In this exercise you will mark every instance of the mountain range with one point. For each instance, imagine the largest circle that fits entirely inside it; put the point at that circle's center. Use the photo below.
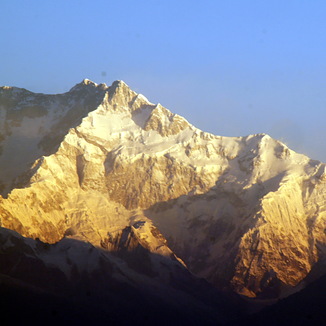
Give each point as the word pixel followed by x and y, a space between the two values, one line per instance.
pixel 116 198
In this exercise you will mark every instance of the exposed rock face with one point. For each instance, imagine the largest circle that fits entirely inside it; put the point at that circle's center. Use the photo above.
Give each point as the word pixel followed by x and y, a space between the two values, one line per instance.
pixel 245 212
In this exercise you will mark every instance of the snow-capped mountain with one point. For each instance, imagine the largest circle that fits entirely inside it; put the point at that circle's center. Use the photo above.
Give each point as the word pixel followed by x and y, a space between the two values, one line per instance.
pixel 104 165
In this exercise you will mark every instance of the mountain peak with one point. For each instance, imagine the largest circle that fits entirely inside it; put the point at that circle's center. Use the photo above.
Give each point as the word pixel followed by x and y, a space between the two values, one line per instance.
pixel 121 93
pixel 84 83
pixel 119 86
pixel 119 83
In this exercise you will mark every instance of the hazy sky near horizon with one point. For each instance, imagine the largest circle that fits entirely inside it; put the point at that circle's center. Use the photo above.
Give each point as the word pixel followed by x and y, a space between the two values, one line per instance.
pixel 232 68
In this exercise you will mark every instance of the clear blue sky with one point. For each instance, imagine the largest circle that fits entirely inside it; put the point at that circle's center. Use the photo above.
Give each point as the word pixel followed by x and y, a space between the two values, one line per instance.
pixel 230 67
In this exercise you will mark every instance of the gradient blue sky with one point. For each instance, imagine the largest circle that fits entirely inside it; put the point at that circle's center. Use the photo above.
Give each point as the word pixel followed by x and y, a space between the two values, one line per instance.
pixel 232 68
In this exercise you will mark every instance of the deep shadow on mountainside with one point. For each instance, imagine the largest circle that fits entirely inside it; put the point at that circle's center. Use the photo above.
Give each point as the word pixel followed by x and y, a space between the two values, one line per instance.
pixel 35 291
pixel 305 308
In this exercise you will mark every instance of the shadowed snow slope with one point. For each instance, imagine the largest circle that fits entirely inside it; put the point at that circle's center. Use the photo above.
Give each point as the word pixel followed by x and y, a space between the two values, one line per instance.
pixel 73 282
pixel 104 165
